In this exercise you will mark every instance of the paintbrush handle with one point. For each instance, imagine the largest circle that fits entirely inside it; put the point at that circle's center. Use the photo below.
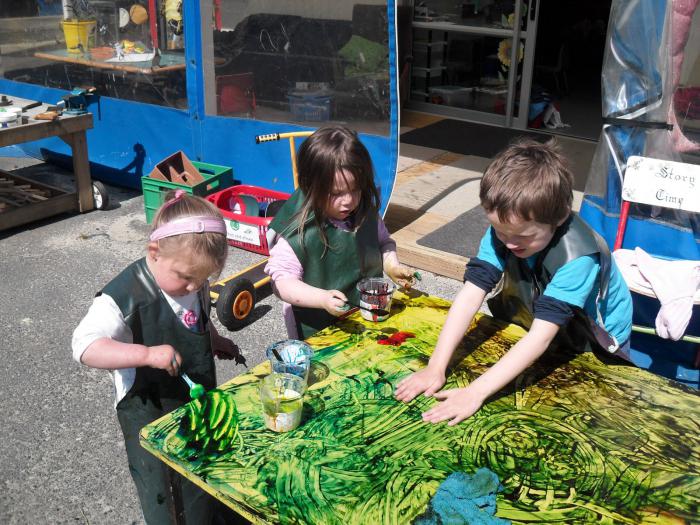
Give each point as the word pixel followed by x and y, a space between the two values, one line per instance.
pixel 189 382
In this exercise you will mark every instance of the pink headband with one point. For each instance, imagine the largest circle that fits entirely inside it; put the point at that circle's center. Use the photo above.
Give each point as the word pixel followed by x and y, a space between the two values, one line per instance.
pixel 193 224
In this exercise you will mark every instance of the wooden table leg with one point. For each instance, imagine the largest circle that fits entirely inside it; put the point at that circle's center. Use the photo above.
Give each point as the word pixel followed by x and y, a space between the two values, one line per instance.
pixel 81 170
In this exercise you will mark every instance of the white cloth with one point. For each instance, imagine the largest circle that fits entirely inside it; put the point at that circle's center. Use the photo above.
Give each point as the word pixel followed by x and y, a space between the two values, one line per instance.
pixel 105 319
pixel 676 284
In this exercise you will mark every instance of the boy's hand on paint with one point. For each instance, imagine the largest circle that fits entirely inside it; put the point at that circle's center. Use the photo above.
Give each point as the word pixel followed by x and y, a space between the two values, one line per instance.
pixel 400 274
pixel 334 302
pixel 426 381
pixel 456 405
pixel 164 357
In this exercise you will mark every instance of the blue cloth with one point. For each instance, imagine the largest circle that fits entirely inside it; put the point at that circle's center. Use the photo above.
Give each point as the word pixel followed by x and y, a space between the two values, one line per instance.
pixel 576 283
pixel 464 499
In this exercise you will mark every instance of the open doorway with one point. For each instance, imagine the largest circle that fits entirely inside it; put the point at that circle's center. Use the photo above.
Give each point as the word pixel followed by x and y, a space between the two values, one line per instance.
pixel 567 67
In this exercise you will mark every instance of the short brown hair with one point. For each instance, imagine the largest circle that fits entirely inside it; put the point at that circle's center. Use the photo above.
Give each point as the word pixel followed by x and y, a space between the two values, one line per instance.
pixel 209 248
pixel 529 180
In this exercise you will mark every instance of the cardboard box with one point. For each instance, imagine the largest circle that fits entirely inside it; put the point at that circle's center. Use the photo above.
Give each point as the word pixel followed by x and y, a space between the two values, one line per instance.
pixel 177 168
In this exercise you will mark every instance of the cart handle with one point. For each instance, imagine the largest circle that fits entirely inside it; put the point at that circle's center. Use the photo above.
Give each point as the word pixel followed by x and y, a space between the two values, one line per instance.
pixel 269 137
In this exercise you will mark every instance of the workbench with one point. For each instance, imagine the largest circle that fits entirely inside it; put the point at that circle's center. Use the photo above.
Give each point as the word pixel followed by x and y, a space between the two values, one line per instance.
pixel 168 62
pixel 52 201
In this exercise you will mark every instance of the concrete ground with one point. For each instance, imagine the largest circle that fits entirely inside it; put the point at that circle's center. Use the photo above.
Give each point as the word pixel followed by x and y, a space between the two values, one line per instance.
pixel 62 455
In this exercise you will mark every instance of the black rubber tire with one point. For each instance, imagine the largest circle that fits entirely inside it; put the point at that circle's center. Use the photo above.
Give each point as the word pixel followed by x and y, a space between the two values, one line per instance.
pixel 235 302
pixel 100 195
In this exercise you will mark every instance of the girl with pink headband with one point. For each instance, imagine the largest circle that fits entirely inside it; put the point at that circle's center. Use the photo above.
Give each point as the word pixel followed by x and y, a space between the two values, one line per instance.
pixel 149 324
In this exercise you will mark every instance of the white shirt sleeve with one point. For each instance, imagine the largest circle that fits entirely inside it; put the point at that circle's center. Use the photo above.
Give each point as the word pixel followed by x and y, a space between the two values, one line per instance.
pixel 104 319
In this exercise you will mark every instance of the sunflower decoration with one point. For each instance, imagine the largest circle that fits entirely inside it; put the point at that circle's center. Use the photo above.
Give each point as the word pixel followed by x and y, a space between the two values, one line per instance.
pixel 504 48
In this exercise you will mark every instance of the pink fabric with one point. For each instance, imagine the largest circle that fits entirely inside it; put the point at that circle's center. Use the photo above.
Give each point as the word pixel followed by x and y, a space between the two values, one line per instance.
pixel 193 224
pixel 676 284
pixel 681 18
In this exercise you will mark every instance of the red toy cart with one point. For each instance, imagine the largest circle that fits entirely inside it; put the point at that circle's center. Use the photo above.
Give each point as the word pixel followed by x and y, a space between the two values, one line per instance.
pixel 248 211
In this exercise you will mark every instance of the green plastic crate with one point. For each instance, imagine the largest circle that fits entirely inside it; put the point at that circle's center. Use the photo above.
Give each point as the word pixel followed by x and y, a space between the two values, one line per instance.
pixel 216 178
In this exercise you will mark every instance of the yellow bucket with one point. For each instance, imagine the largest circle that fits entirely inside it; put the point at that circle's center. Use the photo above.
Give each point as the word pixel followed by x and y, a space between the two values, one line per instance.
pixel 79 33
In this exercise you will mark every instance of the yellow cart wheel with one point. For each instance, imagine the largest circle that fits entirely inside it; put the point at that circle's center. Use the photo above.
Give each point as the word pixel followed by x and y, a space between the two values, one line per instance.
pixel 235 302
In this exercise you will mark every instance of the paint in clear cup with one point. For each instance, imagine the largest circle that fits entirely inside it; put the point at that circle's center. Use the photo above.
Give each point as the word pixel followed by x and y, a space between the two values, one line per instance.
pixel 291 357
pixel 282 397
pixel 375 293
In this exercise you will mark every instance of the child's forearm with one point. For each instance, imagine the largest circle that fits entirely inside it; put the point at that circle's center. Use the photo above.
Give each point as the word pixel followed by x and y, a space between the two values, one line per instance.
pixel 460 316
pixel 516 360
pixel 298 293
pixel 113 355
pixel 390 259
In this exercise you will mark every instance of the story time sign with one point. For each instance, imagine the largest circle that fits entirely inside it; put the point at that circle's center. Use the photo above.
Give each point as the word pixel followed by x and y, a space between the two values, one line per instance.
pixel 662 183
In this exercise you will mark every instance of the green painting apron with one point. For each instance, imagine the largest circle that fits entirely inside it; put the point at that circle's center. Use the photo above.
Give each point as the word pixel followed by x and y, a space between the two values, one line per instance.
pixel 163 493
pixel 350 257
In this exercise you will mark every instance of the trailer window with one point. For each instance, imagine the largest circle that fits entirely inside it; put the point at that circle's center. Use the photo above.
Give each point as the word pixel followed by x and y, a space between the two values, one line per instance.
pixel 106 44
pixel 309 62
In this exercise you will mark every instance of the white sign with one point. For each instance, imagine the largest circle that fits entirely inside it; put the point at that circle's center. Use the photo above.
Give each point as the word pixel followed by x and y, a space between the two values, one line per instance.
pixel 238 231
pixel 662 183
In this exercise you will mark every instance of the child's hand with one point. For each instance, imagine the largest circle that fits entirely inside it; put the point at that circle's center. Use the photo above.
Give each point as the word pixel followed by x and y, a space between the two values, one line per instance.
pixel 164 357
pixel 334 302
pixel 457 405
pixel 400 274
pixel 428 381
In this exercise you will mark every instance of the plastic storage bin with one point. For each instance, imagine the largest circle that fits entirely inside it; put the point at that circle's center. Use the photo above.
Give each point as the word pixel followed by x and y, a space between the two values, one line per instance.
pixel 216 178
pixel 247 222
pixel 313 106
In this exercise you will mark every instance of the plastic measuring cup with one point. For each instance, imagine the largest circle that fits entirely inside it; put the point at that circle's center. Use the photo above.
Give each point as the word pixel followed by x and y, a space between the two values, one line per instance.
pixel 282 397
pixel 375 293
pixel 291 357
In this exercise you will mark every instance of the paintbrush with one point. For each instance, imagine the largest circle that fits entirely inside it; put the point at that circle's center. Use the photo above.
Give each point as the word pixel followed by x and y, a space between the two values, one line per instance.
pixel 196 390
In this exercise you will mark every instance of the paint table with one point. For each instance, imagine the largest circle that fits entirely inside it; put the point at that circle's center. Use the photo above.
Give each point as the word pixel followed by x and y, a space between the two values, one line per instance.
pixel 43 200
pixel 573 440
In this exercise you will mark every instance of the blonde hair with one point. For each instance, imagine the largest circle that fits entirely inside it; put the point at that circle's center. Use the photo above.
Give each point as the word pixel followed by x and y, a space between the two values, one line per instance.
pixel 529 180
pixel 210 249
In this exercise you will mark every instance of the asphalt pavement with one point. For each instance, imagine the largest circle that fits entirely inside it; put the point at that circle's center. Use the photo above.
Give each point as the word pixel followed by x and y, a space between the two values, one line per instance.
pixel 63 458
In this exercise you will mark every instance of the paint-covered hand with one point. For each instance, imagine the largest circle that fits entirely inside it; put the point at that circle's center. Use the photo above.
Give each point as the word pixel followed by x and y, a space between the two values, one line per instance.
pixel 455 405
pixel 400 274
pixel 334 302
pixel 164 357
pixel 426 381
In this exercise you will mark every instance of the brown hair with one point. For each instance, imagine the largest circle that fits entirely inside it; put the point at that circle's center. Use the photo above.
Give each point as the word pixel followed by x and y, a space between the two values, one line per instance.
pixel 323 154
pixel 529 180
pixel 209 248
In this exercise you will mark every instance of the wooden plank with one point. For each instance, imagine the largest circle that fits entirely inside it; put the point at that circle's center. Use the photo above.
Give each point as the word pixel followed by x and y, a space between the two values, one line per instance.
pixel 413 254
pixel 11 177
pixel 113 66
pixel 40 210
pixel 81 170
pixel 41 129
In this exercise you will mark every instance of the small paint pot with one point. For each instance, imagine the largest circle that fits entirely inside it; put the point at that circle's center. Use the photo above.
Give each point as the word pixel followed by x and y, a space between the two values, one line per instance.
pixel 375 294
pixel 282 397
pixel 291 357
pixel 9 117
